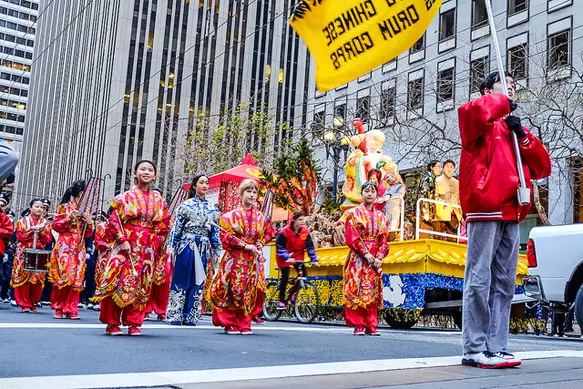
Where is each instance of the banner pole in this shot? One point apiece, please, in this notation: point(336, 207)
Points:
point(523, 190)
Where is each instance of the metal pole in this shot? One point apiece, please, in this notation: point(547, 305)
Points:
point(336, 158)
point(523, 190)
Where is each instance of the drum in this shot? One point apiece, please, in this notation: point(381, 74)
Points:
point(36, 260)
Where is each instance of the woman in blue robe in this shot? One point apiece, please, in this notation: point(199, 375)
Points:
point(193, 241)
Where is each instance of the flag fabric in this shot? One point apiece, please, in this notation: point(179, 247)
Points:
point(349, 38)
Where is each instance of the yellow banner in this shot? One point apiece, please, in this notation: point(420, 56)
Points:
point(349, 38)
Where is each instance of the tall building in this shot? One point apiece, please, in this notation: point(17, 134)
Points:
point(414, 98)
point(17, 36)
point(118, 81)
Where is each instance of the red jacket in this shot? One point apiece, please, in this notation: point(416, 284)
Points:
point(292, 246)
point(6, 231)
point(488, 175)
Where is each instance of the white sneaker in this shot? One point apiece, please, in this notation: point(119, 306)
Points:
point(81, 306)
point(511, 359)
point(13, 303)
point(89, 306)
point(484, 360)
point(96, 308)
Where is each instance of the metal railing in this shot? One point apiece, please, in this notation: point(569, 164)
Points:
point(431, 232)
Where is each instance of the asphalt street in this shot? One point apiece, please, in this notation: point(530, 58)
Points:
point(36, 345)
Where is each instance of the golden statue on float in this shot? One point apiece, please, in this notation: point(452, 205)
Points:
point(368, 155)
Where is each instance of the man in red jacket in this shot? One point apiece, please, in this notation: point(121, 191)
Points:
point(488, 193)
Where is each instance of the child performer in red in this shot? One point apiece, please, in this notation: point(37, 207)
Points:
point(68, 261)
point(28, 286)
point(367, 234)
point(139, 217)
point(233, 291)
point(291, 246)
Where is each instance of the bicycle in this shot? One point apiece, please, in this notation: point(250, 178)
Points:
point(305, 299)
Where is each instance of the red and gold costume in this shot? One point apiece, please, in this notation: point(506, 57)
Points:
point(366, 233)
point(103, 242)
point(28, 286)
point(239, 279)
point(68, 260)
point(124, 288)
point(161, 279)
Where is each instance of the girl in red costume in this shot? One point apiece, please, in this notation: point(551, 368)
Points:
point(367, 237)
point(68, 261)
point(28, 286)
point(139, 216)
point(291, 245)
point(233, 291)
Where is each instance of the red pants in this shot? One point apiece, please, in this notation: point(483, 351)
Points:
point(27, 294)
point(113, 314)
point(362, 317)
point(158, 301)
point(65, 300)
point(259, 303)
point(234, 318)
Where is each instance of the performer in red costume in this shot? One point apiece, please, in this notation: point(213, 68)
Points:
point(488, 191)
point(139, 217)
point(234, 289)
point(68, 261)
point(161, 278)
point(291, 246)
point(28, 286)
point(367, 234)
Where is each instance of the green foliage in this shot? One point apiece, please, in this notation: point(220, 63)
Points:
point(218, 143)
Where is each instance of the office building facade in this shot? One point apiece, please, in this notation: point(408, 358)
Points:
point(119, 81)
point(17, 36)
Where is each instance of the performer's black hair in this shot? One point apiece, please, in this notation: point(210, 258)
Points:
point(432, 164)
point(35, 200)
point(297, 215)
point(490, 80)
point(192, 190)
point(73, 191)
point(369, 184)
point(449, 161)
point(141, 161)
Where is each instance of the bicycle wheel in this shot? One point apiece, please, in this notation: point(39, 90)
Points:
point(307, 302)
point(270, 311)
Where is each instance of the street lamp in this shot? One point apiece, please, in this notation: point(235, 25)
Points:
point(335, 144)
point(104, 180)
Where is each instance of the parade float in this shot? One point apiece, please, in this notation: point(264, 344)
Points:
point(422, 278)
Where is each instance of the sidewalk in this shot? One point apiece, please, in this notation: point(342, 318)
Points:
point(534, 374)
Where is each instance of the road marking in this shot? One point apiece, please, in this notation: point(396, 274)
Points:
point(252, 373)
point(306, 328)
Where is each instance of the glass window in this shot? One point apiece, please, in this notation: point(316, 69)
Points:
point(558, 50)
point(517, 6)
point(447, 25)
point(478, 70)
point(415, 94)
point(363, 108)
point(518, 65)
point(479, 14)
point(445, 85)
point(387, 108)
point(418, 46)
